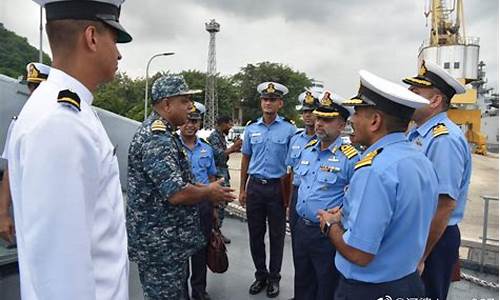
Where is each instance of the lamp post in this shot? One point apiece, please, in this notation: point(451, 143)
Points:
point(147, 74)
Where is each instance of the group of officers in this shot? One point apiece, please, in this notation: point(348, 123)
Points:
point(372, 218)
point(365, 225)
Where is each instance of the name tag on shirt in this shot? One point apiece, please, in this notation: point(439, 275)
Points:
point(255, 134)
point(333, 159)
point(304, 162)
point(295, 147)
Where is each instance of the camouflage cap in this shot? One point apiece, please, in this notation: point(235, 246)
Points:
point(170, 86)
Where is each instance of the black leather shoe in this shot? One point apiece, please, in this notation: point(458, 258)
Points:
point(273, 289)
point(226, 239)
point(257, 286)
point(203, 296)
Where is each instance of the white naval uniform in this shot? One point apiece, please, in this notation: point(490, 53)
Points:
point(67, 198)
point(7, 139)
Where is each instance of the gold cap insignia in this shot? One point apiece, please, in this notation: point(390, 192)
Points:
point(32, 71)
point(309, 99)
point(270, 88)
point(423, 69)
point(327, 100)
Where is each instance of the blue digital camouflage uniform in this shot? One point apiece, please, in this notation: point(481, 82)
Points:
point(161, 236)
point(218, 143)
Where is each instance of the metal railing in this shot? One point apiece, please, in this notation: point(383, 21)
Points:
point(485, 238)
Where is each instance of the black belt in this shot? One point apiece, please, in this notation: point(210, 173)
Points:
point(264, 180)
point(308, 222)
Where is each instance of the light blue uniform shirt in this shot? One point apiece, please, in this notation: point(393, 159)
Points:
point(202, 161)
point(388, 209)
point(297, 144)
point(267, 146)
point(450, 155)
point(324, 176)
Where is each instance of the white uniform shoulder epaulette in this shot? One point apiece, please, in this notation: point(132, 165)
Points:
point(70, 99)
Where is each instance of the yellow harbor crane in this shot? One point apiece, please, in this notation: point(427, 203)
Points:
point(449, 47)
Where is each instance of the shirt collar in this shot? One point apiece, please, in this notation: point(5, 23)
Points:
point(197, 143)
point(333, 146)
point(391, 138)
point(429, 124)
point(276, 120)
point(62, 79)
point(310, 137)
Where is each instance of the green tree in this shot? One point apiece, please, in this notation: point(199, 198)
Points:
point(252, 75)
point(123, 96)
point(16, 53)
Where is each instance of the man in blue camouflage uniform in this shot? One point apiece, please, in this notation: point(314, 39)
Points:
point(217, 140)
point(163, 220)
point(444, 143)
point(380, 231)
point(264, 150)
point(325, 168)
point(201, 156)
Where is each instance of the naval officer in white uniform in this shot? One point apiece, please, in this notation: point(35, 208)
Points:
point(66, 193)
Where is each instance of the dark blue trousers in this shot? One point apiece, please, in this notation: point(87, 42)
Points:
point(439, 264)
point(293, 216)
point(265, 205)
point(410, 286)
point(316, 277)
point(199, 259)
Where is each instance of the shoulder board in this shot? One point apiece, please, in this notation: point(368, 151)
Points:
point(368, 159)
point(439, 129)
point(289, 121)
point(298, 131)
point(204, 141)
point(158, 127)
point(311, 143)
point(349, 151)
point(251, 122)
point(69, 98)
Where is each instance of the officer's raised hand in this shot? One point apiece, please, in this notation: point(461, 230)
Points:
point(220, 193)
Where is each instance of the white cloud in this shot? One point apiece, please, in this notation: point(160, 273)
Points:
point(328, 40)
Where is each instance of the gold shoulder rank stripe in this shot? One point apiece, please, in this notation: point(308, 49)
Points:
point(250, 122)
point(311, 143)
point(69, 98)
point(368, 159)
point(348, 151)
point(439, 129)
point(158, 126)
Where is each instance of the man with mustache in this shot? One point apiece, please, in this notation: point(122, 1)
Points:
point(381, 230)
point(444, 143)
point(324, 168)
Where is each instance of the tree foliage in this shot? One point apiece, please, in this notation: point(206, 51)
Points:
point(16, 53)
point(252, 75)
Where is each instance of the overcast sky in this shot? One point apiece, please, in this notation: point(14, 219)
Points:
point(329, 40)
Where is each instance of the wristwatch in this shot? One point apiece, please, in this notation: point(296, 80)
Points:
point(325, 230)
